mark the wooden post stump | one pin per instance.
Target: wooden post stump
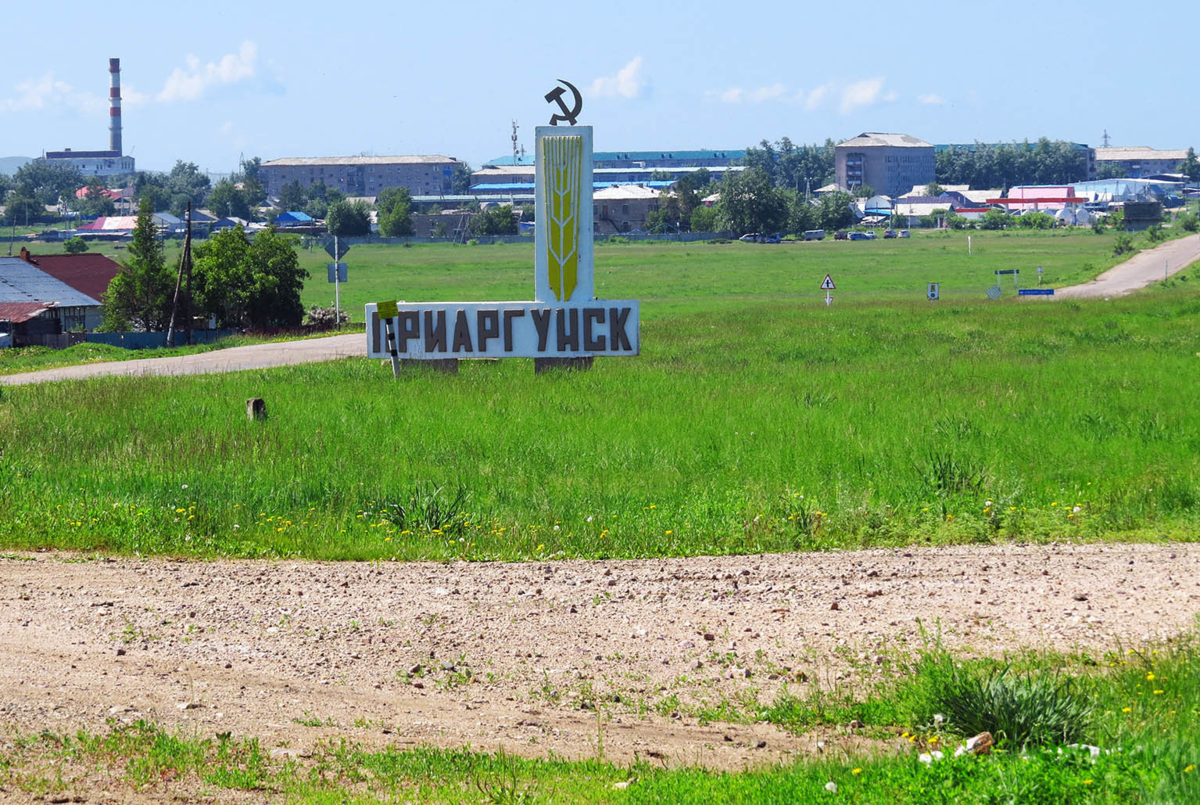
(256, 409)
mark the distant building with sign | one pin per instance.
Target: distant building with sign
(888, 163)
(423, 175)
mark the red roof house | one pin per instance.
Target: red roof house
(89, 274)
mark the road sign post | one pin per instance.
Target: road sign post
(337, 251)
(933, 292)
(828, 286)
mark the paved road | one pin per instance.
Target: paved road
(1139, 271)
(258, 356)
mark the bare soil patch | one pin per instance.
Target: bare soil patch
(525, 656)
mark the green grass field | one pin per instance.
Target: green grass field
(756, 419)
(675, 278)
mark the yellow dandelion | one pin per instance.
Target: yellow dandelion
(856, 771)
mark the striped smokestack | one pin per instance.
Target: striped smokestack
(114, 112)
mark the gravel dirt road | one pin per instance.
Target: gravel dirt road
(515, 656)
(1143, 269)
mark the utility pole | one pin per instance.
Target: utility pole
(187, 258)
(185, 261)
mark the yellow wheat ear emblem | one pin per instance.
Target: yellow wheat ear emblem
(562, 161)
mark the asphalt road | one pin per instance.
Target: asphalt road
(234, 359)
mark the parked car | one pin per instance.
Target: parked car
(775, 238)
(749, 237)
(903, 233)
(815, 234)
(841, 236)
(870, 235)
(860, 235)
(888, 234)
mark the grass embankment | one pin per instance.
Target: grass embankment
(1124, 727)
(746, 426)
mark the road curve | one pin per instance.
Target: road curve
(234, 359)
(1137, 272)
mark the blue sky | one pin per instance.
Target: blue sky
(206, 83)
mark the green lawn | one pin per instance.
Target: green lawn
(751, 422)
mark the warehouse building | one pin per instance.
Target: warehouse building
(1141, 162)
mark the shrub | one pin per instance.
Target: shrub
(324, 317)
(1156, 234)
(1123, 244)
(1020, 708)
(75, 245)
(1188, 222)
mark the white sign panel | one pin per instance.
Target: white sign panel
(933, 291)
(828, 285)
(440, 330)
(563, 196)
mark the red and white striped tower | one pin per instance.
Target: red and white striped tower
(114, 100)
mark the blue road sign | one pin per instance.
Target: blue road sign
(1035, 292)
(340, 268)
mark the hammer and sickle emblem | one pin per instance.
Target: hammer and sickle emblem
(556, 96)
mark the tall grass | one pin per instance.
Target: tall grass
(753, 427)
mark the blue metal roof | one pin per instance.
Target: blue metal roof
(633, 156)
(295, 216)
(529, 186)
(21, 282)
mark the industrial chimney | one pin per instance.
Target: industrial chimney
(114, 112)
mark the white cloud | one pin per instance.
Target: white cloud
(815, 97)
(226, 128)
(188, 84)
(731, 95)
(932, 99)
(49, 92)
(859, 94)
(627, 83)
(771, 93)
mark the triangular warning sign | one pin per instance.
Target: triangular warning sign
(828, 285)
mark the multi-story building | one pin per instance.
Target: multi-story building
(1141, 162)
(888, 163)
(425, 175)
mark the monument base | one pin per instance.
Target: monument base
(547, 364)
(447, 366)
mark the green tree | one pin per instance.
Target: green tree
(394, 206)
(152, 186)
(50, 182)
(75, 245)
(292, 196)
(706, 218)
(934, 189)
(22, 206)
(317, 209)
(498, 219)
(141, 293)
(1190, 166)
(528, 213)
(995, 219)
(227, 200)
(348, 219)
(864, 191)
(802, 215)
(460, 178)
(185, 179)
(835, 211)
(95, 202)
(750, 203)
(254, 284)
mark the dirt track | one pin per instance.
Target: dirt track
(1144, 268)
(513, 656)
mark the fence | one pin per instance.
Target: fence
(153, 340)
